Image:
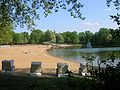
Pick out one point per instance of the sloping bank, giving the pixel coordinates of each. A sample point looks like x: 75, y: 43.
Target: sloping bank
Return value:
x: 23, y: 55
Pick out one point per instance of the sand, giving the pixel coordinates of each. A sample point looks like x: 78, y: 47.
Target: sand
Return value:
x: 23, y: 55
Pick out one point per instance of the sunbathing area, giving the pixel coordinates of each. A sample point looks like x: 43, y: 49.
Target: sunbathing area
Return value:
x: 26, y: 56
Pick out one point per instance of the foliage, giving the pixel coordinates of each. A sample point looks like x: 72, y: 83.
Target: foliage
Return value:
x: 115, y: 2
x: 70, y: 37
x: 18, y: 38
x: 104, y: 37
x: 49, y: 36
x: 36, y: 36
x: 115, y: 34
x: 66, y: 36
x: 26, y: 37
x: 88, y: 36
x: 109, y: 78
x: 82, y: 37
x: 24, y: 12
x: 6, y: 34
x: 107, y: 74
x: 89, y: 63
x: 74, y: 38
x: 116, y: 18
x: 59, y: 38
x: 85, y: 37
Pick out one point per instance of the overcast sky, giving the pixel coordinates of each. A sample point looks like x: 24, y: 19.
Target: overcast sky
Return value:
x: 95, y: 11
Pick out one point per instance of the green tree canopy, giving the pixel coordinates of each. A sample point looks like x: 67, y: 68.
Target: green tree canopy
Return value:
x: 104, y: 35
x: 36, y: 36
x: 59, y: 38
x: 26, y: 37
x: 116, y: 18
x: 6, y: 34
x: 74, y: 38
x: 24, y: 12
x: 66, y: 36
x: 82, y: 37
x: 49, y: 36
x: 16, y: 38
x: 88, y: 36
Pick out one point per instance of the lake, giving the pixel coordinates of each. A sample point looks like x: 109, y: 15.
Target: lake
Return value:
x: 75, y: 54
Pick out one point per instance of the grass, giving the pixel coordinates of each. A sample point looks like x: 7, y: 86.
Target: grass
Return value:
x: 8, y: 82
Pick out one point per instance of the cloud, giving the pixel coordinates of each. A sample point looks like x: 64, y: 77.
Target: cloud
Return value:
x: 96, y: 24
x: 87, y: 23
x: 108, y: 9
x: 91, y: 24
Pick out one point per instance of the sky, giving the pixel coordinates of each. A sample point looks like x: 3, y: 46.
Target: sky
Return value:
x: 96, y: 13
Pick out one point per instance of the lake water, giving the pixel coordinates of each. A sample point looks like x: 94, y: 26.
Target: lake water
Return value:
x: 75, y: 54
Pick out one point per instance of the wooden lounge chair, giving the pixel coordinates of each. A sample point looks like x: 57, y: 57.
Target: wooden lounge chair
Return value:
x: 62, y: 69
x: 83, y: 70
x: 8, y: 66
x: 36, y: 69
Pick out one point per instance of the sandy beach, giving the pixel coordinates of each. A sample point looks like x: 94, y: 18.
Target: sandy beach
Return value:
x: 23, y: 55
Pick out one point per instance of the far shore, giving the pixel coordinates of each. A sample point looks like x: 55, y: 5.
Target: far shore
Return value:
x: 23, y: 55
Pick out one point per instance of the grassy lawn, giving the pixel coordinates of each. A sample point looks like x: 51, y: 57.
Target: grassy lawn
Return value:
x: 8, y: 82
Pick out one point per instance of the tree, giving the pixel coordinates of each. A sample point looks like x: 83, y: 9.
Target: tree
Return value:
x: 82, y: 37
x: 6, y: 34
x: 59, y: 38
x: 16, y: 38
x: 6, y: 37
x: 108, y: 77
x: 74, y: 38
x: 116, y: 18
x: 49, y: 36
x: 24, y: 12
x: 104, y: 35
x: 88, y: 36
x: 21, y: 38
x: 89, y: 63
x: 70, y: 37
x: 36, y: 36
x: 66, y: 36
x: 26, y: 37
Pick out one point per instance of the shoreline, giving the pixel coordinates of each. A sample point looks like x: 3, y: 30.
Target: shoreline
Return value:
x: 62, y: 58
x: 23, y: 55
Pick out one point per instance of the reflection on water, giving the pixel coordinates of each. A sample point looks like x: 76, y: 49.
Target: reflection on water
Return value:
x: 75, y: 54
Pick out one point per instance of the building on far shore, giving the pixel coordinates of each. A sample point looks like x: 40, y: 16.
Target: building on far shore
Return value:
x: 89, y: 45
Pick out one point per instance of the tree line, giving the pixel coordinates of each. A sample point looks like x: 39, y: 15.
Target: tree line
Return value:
x: 103, y: 37
x: 24, y: 12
